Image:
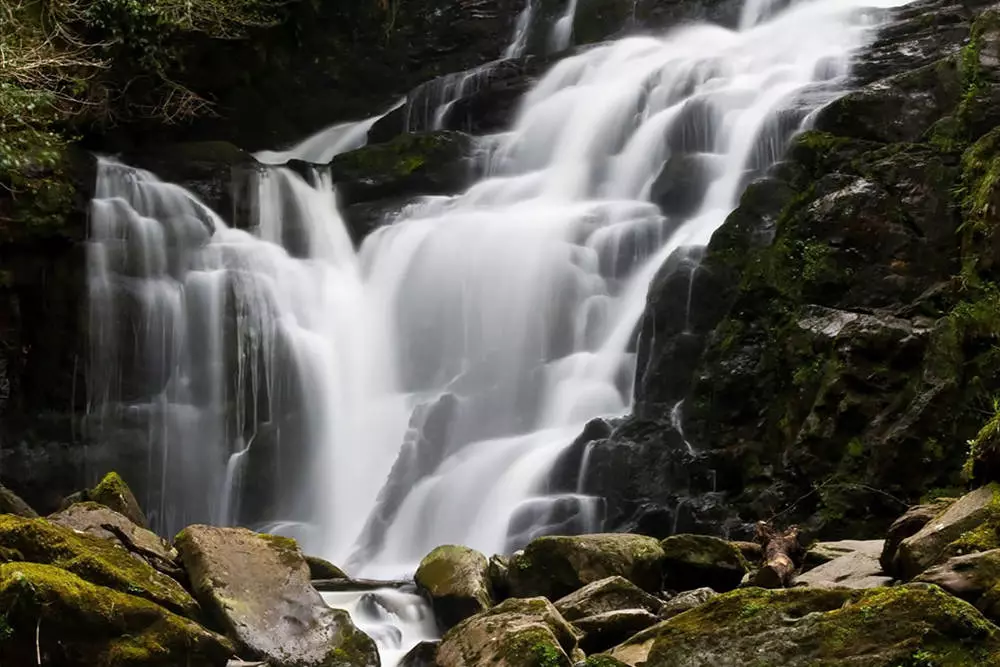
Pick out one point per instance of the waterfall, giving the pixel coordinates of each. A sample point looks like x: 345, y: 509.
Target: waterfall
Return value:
x: 562, y: 31
x: 378, y: 402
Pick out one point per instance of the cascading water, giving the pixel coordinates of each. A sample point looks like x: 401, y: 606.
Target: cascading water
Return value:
x: 416, y: 392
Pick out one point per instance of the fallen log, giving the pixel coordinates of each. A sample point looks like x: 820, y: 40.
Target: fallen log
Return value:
x: 782, y: 553
x: 336, y: 585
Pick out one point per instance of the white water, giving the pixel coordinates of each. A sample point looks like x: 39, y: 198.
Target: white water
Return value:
x: 396, y: 620
x: 562, y: 31
x: 506, y: 313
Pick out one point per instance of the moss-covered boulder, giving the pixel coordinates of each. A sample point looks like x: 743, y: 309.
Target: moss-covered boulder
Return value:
x: 91, y: 558
x: 11, y: 503
x: 323, y: 569
x: 515, y: 633
x: 604, y: 596
x: 697, y: 561
x: 556, y: 566
x: 103, y: 522
x: 113, y: 492
x: 974, y: 577
x: 257, y: 588
x: 457, y: 581
x: 610, y: 628
x: 752, y: 627
x: 968, y: 525
x: 56, y: 617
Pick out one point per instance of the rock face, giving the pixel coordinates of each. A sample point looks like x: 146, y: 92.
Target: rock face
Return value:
x: 77, y: 623
x: 697, y: 561
x: 236, y: 574
x: 93, y: 559
x: 101, y: 521
x: 556, y: 566
x: 970, y: 524
x: 457, y: 581
x: 604, y: 596
x: 515, y: 633
x: 804, y: 627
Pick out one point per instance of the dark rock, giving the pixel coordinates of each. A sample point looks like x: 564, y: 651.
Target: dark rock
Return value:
x: 54, y: 617
x: 499, y: 573
x: 556, y: 566
x: 908, y: 524
x: 421, y: 655
x: 457, y: 581
x: 606, y: 595
x: 323, y: 569
x: 11, y: 503
x: 685, y: 601
x: 515, y: 633
x: 257, y: 588
x: 974, y: 578
x: 699, y: 561
x: 605, y: 630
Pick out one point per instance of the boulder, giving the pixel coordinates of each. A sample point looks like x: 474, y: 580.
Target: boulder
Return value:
x: 824, y: 552
x: 857, y: 569
x: 499, y: 571
x: 606, y: 595
x: 94, y: 559
x: 11, y: 503
x: 457, y: 581
x: 323, y: 569
x: 103, y: 522
x: 53, y: 617
x: 909, y: 524
x: 515, y: 633
x: 610, y: 628
x: 113, y: 492
x: 974, y: 577
x: 257, y: 587
x: 556, y: 566
x: 808, y: 627
x: 686, y: 600
x: 951, y: 533
x: 696, y: 561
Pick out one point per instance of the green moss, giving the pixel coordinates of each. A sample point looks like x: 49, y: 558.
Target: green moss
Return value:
x: 91, y: 558
x: 534, y: 647
x: 113, y: 492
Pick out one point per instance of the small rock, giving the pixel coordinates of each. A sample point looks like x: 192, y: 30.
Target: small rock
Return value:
x: 323, y: 569
x: 701, y: 560
x: 606, y: 595
x: 909, y: 524
x: 610, y: 628
x: 421, y: 655
x: 258, y: 587
x: 457, y: 581
x: 556, y: 566
x: 685, y: 601
x: 113, y: 492
x: 516, y: 633
x: 11, y: 503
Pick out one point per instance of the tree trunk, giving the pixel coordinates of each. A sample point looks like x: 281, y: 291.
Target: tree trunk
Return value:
x: 782, y: 553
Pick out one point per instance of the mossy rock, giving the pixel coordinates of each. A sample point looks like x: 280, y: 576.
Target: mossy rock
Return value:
x: 11, y: 503
x: 457, y: 581
x: 515, y: 633
x: 909, y: 625
x: 696, y: 561
x: 556, y: 566
x: 974, y: 578
x: 79, y: 624
x: 91, y: 558
x: 604, y: 596
x: 113, y: 492
x: 323, y: 569
x: 257, y: 587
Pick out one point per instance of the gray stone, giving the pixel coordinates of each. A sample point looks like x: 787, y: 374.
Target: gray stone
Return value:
x: 606, y: 595
x: 685, y: 601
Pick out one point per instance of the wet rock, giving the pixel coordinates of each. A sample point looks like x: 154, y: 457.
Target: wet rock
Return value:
x: 906, y: 525
x: 323, y: 569
x: 805, y: 627
x: 94, y: 559
x: 421, y: 655
x: 257, y: 587
x: 515, y: 633
x: 103, y: 522
x: 11, y: 503
x: 606, y: 595
x: 605, y: 630
x: 962, y: 521
x: 696, y: 561
x: 113, y: 492
x: 685, y: 601
x: 682, y: 180
x: 499, y: 571
x: 556, y: 566
x: 53, y: 617
x: 457, y: 581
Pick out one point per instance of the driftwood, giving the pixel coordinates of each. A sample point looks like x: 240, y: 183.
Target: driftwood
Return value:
x: 782, y: 553
x: 334, y: 585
